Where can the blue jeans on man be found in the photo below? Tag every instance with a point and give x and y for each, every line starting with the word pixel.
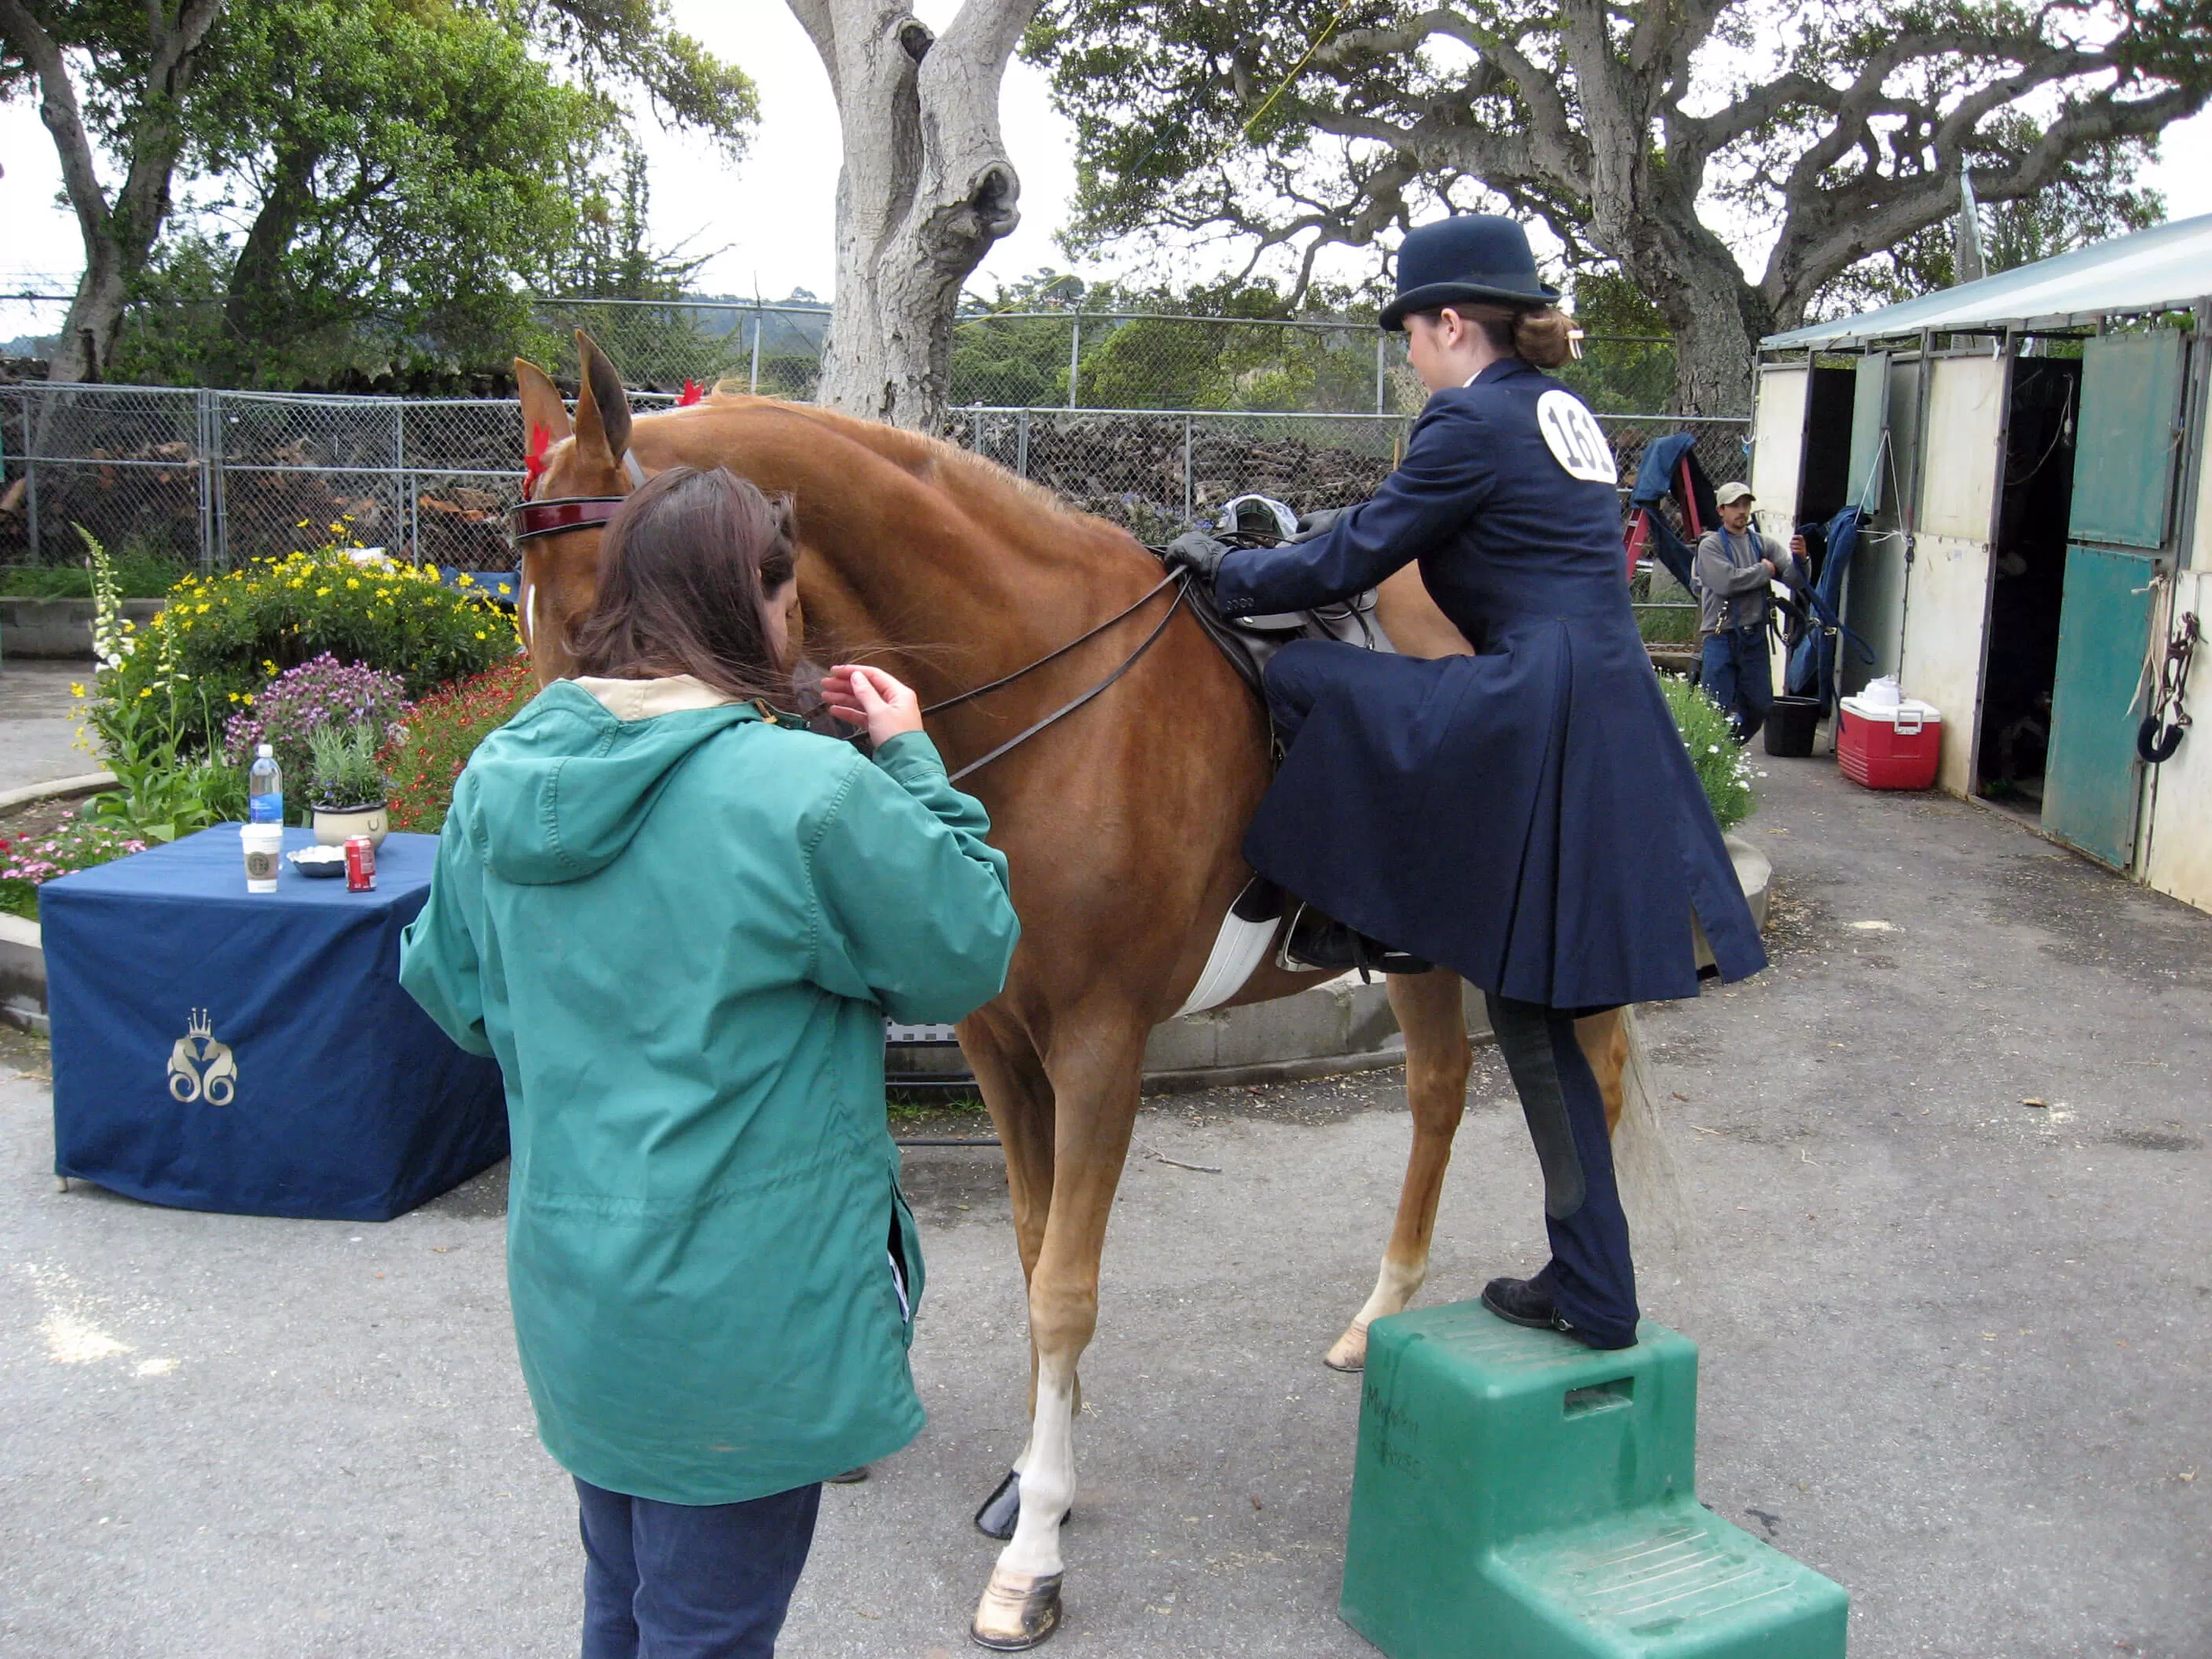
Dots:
pixel 678 1581
pixel 1737 675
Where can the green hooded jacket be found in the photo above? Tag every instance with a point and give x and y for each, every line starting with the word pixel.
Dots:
pixel 679 933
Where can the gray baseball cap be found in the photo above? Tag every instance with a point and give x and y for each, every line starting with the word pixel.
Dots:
pixel 1728 494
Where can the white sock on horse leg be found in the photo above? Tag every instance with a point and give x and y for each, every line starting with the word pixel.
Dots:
pixel 1047 1480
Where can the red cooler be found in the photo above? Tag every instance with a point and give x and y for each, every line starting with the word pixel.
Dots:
pixel 1889 746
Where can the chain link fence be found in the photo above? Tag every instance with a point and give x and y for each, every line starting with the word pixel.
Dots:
pixel 1082 360
pixel 212 478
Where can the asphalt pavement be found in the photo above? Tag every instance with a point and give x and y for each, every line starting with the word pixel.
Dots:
pixel 38 724
pixel 1953 1343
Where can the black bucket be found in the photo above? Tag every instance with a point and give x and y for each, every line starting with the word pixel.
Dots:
pixel 1789 725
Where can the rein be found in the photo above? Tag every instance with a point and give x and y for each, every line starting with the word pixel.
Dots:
pixel 527 520
pixel 1067 709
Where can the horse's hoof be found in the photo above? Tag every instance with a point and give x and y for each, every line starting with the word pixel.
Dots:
pixel 1016 1613
pixel 1003 1509
pixel 1349 1353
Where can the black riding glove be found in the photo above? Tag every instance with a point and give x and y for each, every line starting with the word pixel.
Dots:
pixel 1313 526
pixel 1197 553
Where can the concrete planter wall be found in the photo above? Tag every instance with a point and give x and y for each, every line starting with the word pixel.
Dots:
pixel 59 628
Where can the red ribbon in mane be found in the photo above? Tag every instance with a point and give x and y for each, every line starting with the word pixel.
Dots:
pixel 533 464
pixel 693 391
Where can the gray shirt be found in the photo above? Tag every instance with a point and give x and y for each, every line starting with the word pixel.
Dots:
pixel 1732 584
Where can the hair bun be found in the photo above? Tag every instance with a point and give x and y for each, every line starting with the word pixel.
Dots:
pixel 1544 336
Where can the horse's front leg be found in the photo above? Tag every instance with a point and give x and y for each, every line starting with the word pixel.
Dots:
pixel 1437 1057
pixel 1095 1082
pixel 1019 1095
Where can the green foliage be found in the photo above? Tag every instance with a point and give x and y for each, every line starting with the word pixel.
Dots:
pixel 343 768
pixel 1278 130
pixel 142 572
pixel 442 731
pixel 221 638
pixel 1722 771
pixel 364 188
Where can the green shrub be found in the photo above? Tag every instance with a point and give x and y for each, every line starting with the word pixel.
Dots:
pixel 1722 771
pixel 443 731
pixel 221 638
pixel 141 573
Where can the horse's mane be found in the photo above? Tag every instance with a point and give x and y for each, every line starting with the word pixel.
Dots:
pixel 920 454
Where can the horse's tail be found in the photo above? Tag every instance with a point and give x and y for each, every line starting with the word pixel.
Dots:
pixel 1643 1155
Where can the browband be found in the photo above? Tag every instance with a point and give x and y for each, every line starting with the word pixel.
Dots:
pixel 527 520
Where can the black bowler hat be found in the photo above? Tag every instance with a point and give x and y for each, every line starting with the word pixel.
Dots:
pixel 1474 256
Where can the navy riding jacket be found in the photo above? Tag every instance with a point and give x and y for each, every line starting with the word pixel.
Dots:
pixel 1527 815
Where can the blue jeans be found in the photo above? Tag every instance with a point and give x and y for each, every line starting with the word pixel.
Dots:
pixel 1738 676
pixel 678 1581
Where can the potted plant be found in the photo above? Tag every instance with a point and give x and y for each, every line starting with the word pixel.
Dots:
pixel 347 788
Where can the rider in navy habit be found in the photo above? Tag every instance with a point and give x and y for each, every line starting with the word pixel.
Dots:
pixel 1527 815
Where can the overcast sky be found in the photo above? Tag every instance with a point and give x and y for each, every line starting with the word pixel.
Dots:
pixel 772 215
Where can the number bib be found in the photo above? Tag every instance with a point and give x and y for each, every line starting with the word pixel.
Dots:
pixel 1577 441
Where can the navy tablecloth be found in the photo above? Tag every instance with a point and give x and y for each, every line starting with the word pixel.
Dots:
pixel 218 1049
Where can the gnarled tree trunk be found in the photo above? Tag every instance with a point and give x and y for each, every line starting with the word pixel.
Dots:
pixel 925 189
pixel 118 236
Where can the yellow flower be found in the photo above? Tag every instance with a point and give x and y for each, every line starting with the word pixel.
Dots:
pixel 348 517
pixel 202 608
pixel 233 696
pixel 75 690
pixel 320 591
pixel 480 633
pixel 297 581
pixel 504 588
pixel 145 690
pixel 302 524
pixel 353 581
pixel 267 666
pixel 463 580
pixel 247 699
pixel 337 530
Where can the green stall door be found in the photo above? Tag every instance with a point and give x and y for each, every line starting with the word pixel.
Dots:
pixel 2125 442
pixel 2093 779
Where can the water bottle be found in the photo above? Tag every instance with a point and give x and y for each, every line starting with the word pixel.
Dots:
pixel 265 788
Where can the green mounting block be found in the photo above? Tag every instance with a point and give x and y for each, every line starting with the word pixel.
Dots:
pixel 1519 1496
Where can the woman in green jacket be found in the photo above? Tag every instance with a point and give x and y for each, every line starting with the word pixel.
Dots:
pixel 677 921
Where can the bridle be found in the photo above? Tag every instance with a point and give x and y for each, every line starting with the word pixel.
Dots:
pixel 527 520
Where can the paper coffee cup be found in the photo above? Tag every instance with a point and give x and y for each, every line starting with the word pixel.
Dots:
pixel 264 855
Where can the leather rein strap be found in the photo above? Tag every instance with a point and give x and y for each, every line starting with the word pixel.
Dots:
pixel 1174 579
pixel 528 520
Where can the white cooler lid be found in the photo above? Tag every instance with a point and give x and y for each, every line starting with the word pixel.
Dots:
pixel 1887 715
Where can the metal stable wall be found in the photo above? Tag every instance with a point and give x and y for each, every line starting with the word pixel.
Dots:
pixel 1947 583
pixel 2177 852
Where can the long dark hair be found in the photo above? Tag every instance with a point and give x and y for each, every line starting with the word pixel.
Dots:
pixel 686 568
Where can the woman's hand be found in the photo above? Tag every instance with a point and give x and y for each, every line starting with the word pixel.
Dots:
pixel 857 695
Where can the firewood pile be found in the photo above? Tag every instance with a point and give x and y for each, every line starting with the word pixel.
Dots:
pixel 1132 470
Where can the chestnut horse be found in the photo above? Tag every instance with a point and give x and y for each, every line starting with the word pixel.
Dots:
pixel 951 573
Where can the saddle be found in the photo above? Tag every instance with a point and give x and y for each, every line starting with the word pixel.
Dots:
pixel 1249 642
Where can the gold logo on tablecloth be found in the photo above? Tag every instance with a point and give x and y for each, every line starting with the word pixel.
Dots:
pixel 200 1068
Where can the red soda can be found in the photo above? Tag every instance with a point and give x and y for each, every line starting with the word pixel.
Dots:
pixel 361 864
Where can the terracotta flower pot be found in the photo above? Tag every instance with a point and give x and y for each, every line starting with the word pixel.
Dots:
pixel 333 824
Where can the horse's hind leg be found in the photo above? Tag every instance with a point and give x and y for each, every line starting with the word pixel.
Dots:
pixel 1604 1041
pixel 1095 1081
pixel 1437 1056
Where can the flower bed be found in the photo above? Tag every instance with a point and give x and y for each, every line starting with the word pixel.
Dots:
pixel 208 653
pixel 442 731
pixel 1723 770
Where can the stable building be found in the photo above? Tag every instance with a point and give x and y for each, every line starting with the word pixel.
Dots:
pixel 2030 451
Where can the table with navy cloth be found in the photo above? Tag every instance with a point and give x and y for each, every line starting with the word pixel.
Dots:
pixel 218 1050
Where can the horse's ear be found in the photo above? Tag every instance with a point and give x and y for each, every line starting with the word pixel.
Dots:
pixel 602 406
pixel 542 408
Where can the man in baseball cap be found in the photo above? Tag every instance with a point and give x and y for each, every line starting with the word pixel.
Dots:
pixel 1735 566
